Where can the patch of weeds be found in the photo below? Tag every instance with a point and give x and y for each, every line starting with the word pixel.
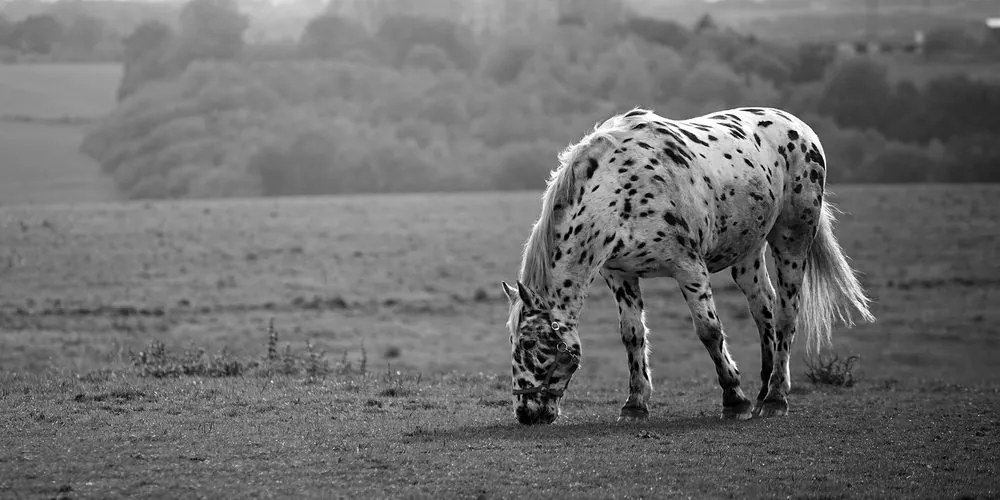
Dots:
pixel 398 383
pixel 158 362
pixel 833 371
pixel 394 392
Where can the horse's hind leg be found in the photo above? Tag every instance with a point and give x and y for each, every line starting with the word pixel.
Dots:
pixel 790 248
pixel 697 289
pixel 751 276
pixel 633 330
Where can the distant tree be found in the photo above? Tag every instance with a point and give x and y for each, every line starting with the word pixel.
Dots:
pixel 148 55
pixel 524 165
pixel 504 61
pixel 428 57
pixel 898 163
pixel 659 31
pixel 857 94
pixel 329 36
pixel 83 34
pixel 6 30
pixel 211 29
pixel 37 34
pixel 148 37
pixel 959 105
pixel 763 63
pixel 399 33
pixel 705 24
pixel 813 61
pixel 951 39
pixel 711 81
pixel 973 158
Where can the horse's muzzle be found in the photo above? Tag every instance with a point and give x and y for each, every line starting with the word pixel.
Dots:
pixel 541 415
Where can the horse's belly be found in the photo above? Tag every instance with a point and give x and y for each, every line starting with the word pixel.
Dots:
pixel 740 227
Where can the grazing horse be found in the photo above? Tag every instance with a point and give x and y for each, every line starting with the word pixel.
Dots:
pixel 643 196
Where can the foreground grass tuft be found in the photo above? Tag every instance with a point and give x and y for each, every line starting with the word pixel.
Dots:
pixel 831 370
pixel 158 361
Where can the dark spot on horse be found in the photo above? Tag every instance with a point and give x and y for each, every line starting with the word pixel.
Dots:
pixel 693 138
pixel 592 167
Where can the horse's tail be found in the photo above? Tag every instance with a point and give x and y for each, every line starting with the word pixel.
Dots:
pixel 830 289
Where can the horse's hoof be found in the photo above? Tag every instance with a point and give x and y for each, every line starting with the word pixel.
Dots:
pixel 773 408
pixel 741 411
pixel 756 408
pixel 633 414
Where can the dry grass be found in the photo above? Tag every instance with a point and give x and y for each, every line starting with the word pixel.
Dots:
pixel 831 370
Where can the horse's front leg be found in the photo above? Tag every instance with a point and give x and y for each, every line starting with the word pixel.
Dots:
pixel 632 324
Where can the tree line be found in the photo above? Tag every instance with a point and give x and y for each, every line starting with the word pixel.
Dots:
pixel 423 104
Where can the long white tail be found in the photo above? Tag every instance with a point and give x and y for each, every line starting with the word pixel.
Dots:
pixel 830 289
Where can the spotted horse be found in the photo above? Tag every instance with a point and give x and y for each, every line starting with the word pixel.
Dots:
pixel 643 196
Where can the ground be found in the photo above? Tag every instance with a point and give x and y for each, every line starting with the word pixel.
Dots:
pixel 410 285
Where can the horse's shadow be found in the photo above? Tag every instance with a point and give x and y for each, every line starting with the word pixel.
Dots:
pixel 653 427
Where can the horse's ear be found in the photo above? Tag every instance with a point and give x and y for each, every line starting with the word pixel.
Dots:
pixel 528 296
pixel 509 292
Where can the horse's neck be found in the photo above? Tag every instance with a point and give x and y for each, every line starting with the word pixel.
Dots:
pixel 567 290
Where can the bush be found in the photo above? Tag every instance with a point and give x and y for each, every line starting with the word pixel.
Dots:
pixel 899 163
pixel 329 36
pixel 525 165
pixel 832 370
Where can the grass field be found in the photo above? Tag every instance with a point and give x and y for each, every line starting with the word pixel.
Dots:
pixel 58 90
pixel 44 109
pixel 409 284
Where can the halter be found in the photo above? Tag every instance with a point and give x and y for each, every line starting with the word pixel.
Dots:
pixel 562 353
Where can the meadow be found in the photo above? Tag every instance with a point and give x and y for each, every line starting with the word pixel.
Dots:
pixel 44 112
pixel 399 297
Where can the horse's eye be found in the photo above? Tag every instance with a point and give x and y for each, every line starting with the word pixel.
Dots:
pixel 528 343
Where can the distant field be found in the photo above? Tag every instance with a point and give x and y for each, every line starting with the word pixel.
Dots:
pixel 41 164
pixel 58 90
pixel 409 284
pixel 43 112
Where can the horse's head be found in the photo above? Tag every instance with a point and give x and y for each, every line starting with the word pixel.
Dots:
pixel 545 352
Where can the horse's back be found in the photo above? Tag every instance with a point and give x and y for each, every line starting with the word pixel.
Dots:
pixel 712 188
